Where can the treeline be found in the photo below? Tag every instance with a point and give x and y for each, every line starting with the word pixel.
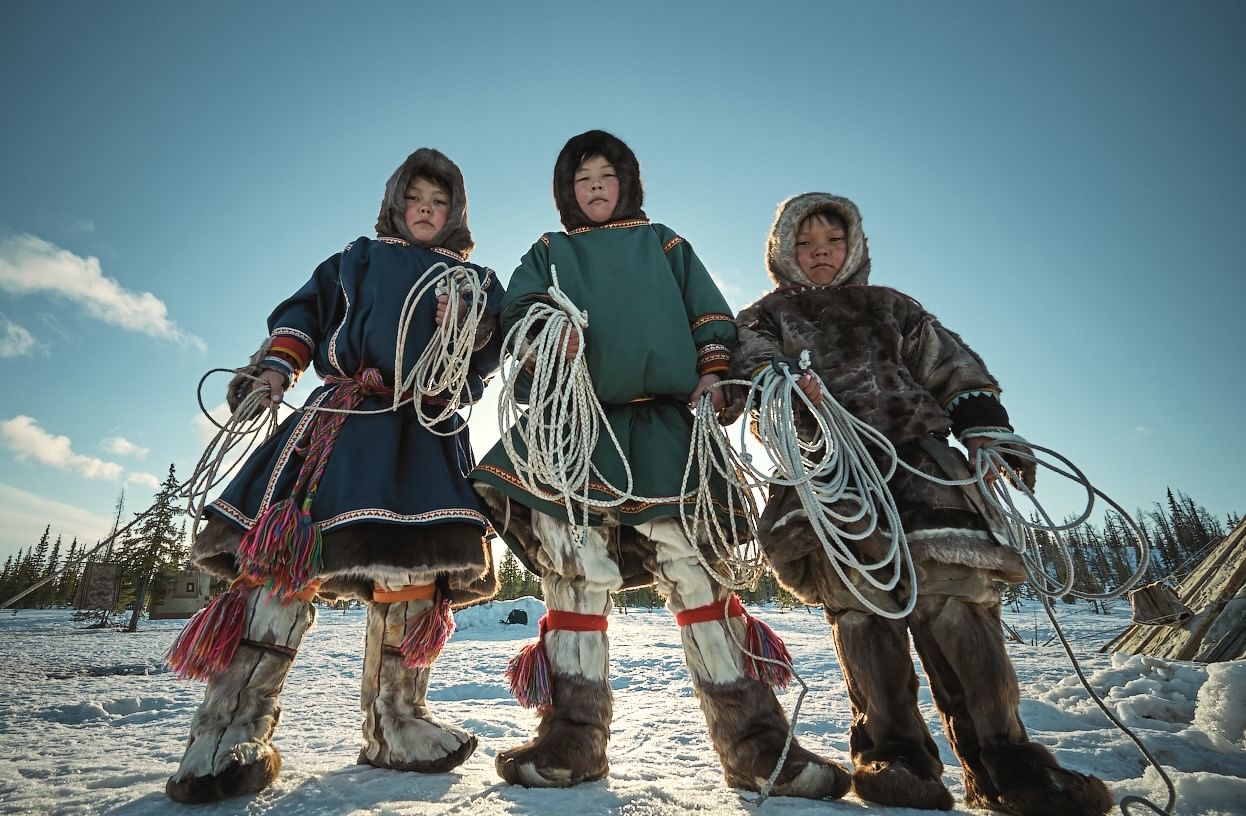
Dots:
pixel 1178 531
pixel 147 558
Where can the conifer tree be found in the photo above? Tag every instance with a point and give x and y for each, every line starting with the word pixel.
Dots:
pixel 160 548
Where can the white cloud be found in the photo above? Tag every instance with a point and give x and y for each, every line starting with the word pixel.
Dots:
pixel 30 265
pixel 143 478
pixel 124 447
pixel 23 516
pixel 23 435
pixel 15 340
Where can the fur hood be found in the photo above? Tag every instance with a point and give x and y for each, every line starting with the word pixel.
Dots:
pixel 620 156
pixel 781 245
pixel 434 164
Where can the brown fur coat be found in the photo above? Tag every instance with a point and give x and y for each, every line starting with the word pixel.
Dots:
pixel 890 363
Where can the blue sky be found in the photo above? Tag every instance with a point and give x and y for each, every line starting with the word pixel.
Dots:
pixel 1060 183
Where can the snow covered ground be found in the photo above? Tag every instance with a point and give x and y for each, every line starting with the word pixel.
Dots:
pixel 92 722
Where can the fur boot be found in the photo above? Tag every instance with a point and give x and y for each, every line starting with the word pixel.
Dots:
pixel 975 688
pixel 747 726
pixel 895 760
pixel 398 731
pixel 230 752
pixel 748 729
pixel 570 742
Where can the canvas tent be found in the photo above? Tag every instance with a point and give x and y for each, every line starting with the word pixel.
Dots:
pixel 1212 626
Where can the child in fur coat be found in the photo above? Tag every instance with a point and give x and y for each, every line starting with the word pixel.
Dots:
pixel 658 336
pixel 893 365
pixel 374 507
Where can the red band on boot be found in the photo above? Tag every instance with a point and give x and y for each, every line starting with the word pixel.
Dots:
pixel 711 612
pixel 555 619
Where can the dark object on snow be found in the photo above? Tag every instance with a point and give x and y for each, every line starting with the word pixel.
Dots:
pixel 516 616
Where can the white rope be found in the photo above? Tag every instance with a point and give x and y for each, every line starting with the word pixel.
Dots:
pixel 993 476
pixel 445 364
pixel 738 561
pixel 834 468
pixel 564 420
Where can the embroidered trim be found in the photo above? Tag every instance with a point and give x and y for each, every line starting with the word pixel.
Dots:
pixel 671 244
pixel 964 395
pixel 639 222
pixel 285 331
pixel 545 240
pixel 295 348
pixel 385 239
pixel 710 317
pixel 372 513
pixel 449 253
pixel 333 338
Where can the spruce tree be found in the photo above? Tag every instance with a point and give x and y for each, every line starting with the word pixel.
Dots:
pixel 160 548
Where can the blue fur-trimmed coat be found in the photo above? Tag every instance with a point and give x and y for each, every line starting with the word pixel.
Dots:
pixel 394 498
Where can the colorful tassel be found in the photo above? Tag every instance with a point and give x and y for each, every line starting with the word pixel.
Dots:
pixel 427 636
pixel 206 647
pixel 761 640
pixel 529 676
pixel 283 549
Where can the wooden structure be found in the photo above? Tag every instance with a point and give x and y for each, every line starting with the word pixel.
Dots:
pixel 1215 594
pixel 189 593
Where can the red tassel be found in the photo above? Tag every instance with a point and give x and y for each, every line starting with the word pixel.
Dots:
pixel 529 675
pixel 206 647
pixel 427 636
pixel 282 549
pixel 761 640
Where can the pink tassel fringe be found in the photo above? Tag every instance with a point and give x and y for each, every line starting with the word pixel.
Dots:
pixel 529 675
pixel 761 640
pixel 206 647
pixel 427 636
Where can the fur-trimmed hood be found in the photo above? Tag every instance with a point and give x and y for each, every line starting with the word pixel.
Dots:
pixel 620 156
pixel 435 165
pixel 781 245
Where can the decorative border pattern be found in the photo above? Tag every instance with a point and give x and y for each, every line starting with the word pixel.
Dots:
pixel 964 395
pixel 671 244
pixel 449 253
pixel 639 222
pixel 710 317
pixel 369 513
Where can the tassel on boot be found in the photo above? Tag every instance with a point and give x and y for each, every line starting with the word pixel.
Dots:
pixel 773 664
pixel 428 636
pixel 206 647
pixel 399 731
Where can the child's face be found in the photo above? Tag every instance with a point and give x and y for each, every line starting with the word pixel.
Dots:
pixel 596 189
pixel 428 204
pixel 821 247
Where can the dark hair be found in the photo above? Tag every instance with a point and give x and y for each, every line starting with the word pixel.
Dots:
pixel 575 152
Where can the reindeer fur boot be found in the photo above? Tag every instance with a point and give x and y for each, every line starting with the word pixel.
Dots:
pixel 748 729
pixel 398 731
pixel 570 742
pixel 895 760
pixel 230 752
pixel 975 688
